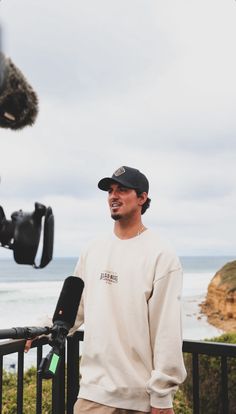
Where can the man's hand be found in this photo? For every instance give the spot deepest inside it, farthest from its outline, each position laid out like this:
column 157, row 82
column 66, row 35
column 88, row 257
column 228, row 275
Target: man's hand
column 162, row 410
column 28, row 345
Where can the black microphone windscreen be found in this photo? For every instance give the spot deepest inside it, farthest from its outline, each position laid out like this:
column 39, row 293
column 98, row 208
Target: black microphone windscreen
column 69, row 300
column 2, row 61
column 18, row 100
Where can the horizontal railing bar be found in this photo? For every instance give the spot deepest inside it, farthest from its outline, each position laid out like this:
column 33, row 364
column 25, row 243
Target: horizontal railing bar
column 17, row 345
column 189, row 346
column 11, row 346
column 210, row 348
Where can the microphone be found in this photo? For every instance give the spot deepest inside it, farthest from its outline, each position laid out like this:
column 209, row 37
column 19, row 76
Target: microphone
column 63, row 319
column 68, row 302
column 18, row 100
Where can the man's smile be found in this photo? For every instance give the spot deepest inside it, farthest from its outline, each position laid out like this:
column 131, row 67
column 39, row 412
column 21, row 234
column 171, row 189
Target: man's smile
column 114, row 205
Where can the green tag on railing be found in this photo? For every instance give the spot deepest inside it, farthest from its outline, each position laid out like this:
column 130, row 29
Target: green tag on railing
column 53, row 364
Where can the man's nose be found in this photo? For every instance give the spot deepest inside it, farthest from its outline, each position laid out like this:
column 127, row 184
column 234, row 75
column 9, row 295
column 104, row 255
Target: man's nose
column 113, row 194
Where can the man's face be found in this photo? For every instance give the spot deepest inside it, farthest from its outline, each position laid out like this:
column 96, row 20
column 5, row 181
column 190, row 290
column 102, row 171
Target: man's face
column 123, row 202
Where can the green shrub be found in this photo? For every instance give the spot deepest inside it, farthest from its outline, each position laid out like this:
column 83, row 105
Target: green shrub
column 9, row 397
column 181, row 404
column 210, row 379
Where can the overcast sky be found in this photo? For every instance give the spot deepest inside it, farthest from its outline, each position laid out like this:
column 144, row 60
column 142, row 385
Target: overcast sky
column 149, row 84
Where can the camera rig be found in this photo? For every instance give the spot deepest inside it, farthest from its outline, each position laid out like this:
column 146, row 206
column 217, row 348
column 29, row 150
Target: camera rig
column 58, row 332
column 22, row 234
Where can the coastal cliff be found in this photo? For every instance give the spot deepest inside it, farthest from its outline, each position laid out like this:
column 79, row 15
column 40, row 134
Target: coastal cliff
column 220, row 303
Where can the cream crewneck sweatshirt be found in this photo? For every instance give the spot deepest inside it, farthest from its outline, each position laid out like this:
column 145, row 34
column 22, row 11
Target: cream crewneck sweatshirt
column 131, row 309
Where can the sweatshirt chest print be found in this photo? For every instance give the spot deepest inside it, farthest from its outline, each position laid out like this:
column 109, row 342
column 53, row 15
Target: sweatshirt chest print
column 109, row 277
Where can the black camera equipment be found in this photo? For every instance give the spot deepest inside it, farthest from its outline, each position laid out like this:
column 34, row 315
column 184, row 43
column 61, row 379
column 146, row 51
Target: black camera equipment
column 63, row 319
column 22, row 234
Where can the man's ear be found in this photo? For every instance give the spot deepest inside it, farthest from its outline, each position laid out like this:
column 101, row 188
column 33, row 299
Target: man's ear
column 142, row 198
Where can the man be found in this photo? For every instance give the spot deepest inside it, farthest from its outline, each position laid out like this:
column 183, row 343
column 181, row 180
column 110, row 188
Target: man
column 132, row 356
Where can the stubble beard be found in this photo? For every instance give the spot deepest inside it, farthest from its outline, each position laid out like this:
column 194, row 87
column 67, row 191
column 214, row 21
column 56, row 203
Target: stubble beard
column 116, row 217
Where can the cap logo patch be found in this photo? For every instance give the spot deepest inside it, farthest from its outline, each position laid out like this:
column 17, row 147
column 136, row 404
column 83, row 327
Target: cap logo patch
column 119, row 172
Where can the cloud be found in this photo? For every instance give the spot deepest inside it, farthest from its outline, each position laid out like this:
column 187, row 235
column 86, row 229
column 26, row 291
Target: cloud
column 126, row 83
column 89, row 48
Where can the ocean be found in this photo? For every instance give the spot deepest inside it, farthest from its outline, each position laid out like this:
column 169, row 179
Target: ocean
column 28, row 296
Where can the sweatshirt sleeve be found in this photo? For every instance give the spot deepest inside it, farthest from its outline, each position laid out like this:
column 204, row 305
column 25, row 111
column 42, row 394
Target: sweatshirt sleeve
column 164, row 308
column 79, row 272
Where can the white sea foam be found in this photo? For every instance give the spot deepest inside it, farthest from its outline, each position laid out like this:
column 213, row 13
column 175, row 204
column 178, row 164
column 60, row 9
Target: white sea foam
column 24, row 303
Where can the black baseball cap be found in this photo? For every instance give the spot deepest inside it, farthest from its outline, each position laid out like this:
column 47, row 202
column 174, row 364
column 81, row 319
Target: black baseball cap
column 127, row 177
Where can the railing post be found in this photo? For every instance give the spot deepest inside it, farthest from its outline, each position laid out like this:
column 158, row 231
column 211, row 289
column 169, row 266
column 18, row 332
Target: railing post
column 39, row 382
column 224, row 386
column 195, row 366
column 58, row 388
column 20, row 377
column 73, row 346
column 1, row 375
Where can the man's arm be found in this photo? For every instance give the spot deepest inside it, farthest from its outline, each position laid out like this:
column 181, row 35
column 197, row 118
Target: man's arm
column 164, row 308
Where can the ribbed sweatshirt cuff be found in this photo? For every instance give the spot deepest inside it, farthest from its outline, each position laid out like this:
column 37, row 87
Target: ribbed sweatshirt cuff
column 161, row 402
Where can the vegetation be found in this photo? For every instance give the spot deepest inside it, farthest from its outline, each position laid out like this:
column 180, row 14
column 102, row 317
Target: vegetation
column 228, row 275
column 9, row 395
column 181, row 404
column 29, row 402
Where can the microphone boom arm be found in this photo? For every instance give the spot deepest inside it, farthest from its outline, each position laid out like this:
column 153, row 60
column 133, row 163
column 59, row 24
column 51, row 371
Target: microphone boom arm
column 26, row 332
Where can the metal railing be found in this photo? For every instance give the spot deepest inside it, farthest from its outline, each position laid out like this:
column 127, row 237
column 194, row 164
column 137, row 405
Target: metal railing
column 65, row 384
column 212, row 349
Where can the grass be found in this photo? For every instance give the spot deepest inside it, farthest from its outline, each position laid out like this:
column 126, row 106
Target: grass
column 228, row 276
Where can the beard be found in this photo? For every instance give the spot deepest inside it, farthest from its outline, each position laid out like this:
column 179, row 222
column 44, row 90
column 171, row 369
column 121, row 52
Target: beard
column 116, row 217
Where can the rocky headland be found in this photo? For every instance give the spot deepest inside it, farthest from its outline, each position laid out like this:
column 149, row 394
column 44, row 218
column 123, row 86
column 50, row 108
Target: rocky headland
column 220, row 302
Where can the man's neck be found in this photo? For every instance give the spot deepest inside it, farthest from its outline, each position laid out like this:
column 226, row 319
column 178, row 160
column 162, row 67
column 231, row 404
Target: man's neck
column 127, row 230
